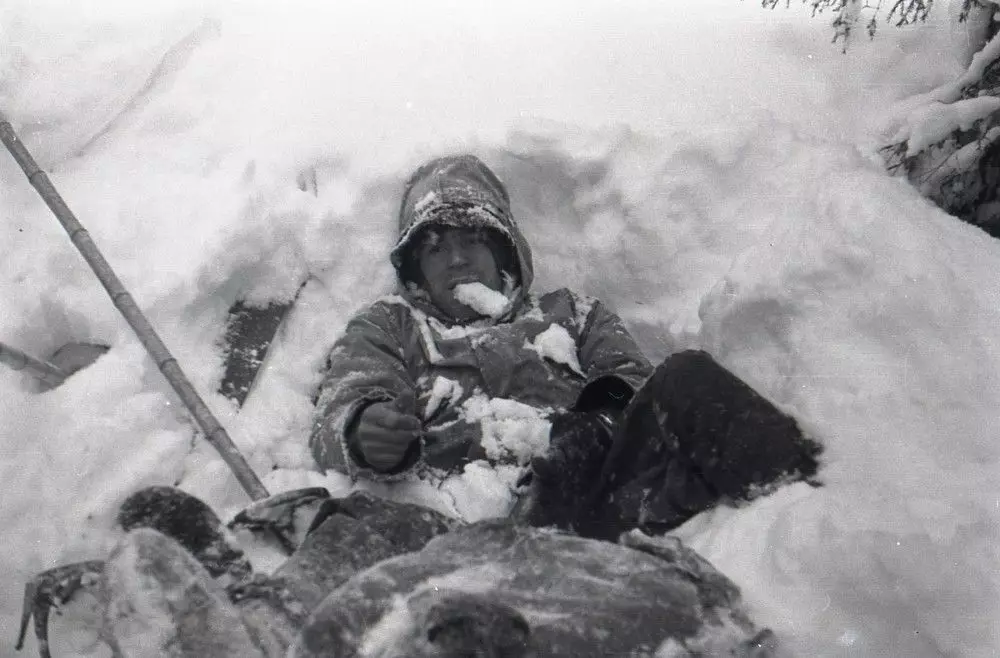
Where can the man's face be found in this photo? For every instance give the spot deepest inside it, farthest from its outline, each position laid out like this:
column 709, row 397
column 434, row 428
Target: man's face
column 450, row 256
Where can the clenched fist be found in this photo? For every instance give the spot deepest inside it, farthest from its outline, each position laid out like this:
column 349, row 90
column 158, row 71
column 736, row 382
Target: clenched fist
column 384, row 433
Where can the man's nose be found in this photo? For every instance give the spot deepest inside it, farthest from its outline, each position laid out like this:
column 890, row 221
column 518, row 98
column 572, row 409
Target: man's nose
column 457, row 256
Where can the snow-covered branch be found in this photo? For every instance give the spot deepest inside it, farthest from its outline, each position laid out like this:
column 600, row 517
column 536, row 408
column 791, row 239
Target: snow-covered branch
column 948, row 143
column 849, row 13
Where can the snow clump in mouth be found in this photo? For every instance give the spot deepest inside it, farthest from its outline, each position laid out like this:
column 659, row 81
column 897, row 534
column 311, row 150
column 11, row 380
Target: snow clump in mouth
column 481, row 298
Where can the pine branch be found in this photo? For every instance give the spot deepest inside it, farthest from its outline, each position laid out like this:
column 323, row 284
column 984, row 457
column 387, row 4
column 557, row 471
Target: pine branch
column 969, row 5
column 909, row 11
column 849, row 12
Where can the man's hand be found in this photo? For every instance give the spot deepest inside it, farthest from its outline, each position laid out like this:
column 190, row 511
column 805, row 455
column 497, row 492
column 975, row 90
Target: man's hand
column 384, row 434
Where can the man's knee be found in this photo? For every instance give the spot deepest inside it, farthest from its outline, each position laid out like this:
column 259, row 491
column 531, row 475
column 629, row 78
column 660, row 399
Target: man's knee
column 688, row 366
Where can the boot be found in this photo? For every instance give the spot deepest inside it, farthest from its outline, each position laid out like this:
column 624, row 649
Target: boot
column 693, row 435
column 558, row 483
column 191, row 523
column 740, row 443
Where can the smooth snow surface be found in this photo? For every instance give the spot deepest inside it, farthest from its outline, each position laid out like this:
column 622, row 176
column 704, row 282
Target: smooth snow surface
column 706, row 169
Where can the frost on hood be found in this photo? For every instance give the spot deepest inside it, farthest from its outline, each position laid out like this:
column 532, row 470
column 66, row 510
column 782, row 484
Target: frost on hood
column 557, row 345
column 511, row 430
column 454, row 191
column 482, row 299
column 461, row 191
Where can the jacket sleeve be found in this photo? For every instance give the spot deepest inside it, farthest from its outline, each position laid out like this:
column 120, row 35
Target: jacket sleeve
column 366, row 365
column 614, row 365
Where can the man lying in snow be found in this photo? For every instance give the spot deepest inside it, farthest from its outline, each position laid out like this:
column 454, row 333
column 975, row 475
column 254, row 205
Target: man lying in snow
column 628, row 446
column 625, row 447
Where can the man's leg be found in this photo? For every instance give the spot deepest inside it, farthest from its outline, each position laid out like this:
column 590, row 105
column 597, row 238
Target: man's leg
column 692, row 435
column 161, row 602
column 559, row 483
column 349, row 535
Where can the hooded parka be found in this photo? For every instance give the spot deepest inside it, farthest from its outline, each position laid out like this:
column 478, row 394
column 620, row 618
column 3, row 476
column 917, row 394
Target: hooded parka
column 551, row 352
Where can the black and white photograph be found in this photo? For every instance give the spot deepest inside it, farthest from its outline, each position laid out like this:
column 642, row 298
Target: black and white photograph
column 500, row 328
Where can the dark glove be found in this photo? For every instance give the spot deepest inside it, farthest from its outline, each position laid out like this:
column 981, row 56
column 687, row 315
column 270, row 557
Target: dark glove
column 384, row 434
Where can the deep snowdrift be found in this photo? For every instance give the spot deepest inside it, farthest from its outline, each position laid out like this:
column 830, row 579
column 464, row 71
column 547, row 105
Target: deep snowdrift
column 732, row 207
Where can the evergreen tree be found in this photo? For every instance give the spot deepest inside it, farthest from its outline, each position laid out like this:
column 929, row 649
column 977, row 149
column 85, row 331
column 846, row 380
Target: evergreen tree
column 950, row 147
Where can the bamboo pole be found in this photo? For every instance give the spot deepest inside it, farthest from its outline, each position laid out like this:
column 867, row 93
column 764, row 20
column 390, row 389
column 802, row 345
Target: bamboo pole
column 164, row 360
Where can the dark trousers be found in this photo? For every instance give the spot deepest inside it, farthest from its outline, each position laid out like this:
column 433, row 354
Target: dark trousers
column 694, row 435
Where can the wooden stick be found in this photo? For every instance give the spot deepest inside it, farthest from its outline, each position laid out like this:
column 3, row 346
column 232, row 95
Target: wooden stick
column 167, row 364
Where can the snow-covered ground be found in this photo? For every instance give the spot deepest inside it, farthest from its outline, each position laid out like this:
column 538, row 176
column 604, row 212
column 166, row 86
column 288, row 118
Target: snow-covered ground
column 706, row 168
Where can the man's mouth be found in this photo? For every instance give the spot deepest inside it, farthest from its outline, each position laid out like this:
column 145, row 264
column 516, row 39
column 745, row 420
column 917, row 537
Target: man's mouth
column 470, row 278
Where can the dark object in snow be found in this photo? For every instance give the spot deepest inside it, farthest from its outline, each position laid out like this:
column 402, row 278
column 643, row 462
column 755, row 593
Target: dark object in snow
column 560, row 482
column 250, row 330
column 48, row 374
column 376, row 577
column 162, row 602
column 342, row 537
column 693, row 435
column 54, row 588
column 283, row 517
column 171, row 512
column 346, row 536
column 52, row 372
column 496, row 589
column 75, row 356
column 351, row 534
column 190, row 522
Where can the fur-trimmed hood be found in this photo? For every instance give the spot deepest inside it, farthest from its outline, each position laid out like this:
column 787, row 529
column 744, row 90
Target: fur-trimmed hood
column 459, row 190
